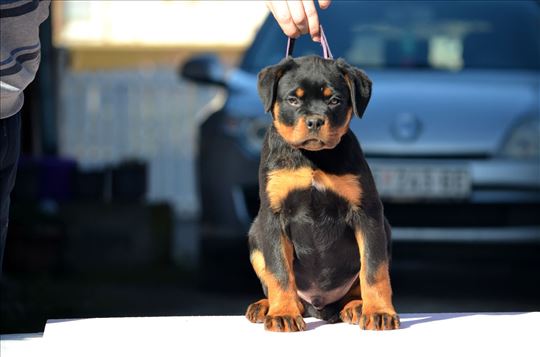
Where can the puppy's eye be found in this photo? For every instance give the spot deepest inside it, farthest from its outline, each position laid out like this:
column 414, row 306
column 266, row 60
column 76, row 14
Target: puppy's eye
column 334, row 102
column 293, row 101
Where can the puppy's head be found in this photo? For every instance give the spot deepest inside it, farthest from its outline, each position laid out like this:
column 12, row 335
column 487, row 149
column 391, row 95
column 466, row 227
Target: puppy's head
column 312, row 100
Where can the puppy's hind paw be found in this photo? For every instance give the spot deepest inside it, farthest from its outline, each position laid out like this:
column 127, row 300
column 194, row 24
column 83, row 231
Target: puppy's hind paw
column 352, row 312
column 257, row 311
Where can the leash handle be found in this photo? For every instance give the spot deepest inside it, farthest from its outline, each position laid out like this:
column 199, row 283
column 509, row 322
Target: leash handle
column 327, row 53
column 290, row 46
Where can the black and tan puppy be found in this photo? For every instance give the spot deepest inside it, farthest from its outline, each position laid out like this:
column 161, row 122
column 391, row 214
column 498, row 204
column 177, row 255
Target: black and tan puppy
column 320, row 242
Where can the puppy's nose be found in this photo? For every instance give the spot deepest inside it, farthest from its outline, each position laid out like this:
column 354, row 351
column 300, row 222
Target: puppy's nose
column 314, row 123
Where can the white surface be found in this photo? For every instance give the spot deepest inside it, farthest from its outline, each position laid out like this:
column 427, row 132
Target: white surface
column 469, row 334
column 28, row 344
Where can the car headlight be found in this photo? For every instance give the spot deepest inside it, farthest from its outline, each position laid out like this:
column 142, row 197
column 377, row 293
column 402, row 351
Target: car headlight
column 249, row 132
column 523, row 141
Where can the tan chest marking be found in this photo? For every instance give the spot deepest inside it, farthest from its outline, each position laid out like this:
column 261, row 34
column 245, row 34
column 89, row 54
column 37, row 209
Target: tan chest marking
column 283, row 181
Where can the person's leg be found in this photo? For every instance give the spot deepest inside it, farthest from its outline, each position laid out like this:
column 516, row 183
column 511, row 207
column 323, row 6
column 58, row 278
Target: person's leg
column 10, row 144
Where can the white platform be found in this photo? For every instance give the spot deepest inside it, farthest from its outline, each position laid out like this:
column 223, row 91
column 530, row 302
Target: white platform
column 468, row 334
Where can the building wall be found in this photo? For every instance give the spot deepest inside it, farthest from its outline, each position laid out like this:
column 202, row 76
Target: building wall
column 120, row 96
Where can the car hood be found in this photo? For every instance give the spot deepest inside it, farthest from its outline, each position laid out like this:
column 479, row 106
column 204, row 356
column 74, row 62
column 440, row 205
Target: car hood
column 435, row 113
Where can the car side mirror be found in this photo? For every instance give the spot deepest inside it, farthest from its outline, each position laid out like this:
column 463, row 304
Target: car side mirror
column 204, row 69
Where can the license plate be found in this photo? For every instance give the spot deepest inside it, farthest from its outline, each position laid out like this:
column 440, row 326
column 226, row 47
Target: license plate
column 422, row 181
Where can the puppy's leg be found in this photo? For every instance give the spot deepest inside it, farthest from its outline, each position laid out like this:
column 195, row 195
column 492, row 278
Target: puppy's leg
column 378, row 312
column 272, row 259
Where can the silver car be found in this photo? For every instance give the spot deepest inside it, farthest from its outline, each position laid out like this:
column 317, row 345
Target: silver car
column 452, row 132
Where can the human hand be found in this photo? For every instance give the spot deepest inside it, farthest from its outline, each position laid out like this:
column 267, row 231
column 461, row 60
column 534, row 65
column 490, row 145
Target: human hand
column 297, row 17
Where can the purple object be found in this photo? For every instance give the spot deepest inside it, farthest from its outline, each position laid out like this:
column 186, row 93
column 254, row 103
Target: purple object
column 327, row 54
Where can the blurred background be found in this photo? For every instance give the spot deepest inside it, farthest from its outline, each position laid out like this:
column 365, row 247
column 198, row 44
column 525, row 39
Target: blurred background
column 142, row 131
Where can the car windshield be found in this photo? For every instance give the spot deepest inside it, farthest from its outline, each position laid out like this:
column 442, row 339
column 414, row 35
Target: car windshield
column 420, row 34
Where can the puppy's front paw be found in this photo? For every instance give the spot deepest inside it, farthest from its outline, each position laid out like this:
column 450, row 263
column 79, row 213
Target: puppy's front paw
column 379, row 321
column 284, row 323
column 352, row 312
column 257, row 311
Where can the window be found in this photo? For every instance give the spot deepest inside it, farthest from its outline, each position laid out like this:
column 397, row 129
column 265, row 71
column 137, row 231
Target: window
column 419, row 34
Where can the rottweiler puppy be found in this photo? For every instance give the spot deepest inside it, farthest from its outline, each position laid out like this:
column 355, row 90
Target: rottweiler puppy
column 320, row 243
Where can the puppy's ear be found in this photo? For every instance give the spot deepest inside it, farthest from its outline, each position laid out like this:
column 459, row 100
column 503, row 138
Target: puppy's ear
column 359, row 86
column 268, row 79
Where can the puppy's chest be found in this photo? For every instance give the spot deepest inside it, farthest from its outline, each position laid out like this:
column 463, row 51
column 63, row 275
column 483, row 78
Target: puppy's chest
column 306, row 188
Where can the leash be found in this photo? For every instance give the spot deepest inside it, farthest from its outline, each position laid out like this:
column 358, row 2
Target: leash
column 327, row 54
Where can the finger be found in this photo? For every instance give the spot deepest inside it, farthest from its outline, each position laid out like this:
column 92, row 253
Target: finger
column 313, row 19
column 324, row 4
column 296, row 9
column 280, row 10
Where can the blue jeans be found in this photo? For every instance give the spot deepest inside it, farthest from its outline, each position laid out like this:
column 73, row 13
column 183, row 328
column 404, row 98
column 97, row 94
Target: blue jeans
column 10, row 145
